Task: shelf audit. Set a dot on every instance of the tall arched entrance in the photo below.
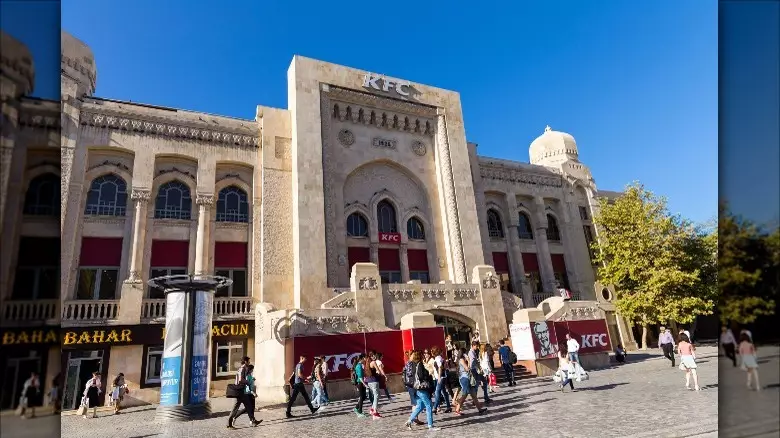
(461, 332)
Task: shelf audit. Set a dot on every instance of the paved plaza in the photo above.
(645, 397)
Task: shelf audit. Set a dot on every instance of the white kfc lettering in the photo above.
(339, 359)
(372, 81)
(590, 341)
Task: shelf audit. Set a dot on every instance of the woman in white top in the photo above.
(118, 391)
(565, 367)
(382, 376)
(92, 392)
(484, 364)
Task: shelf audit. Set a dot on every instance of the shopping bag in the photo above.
(83, 407)
(492, 380)
(558, 377)
(682, 367)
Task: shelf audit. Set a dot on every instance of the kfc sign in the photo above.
(592, 334)
(390, 238)
(336, 361)
(385, 84)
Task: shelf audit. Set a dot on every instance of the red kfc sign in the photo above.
(390, 238)
(591, 334)
(340, 350)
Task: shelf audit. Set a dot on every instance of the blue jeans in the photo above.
(574, 356)
(412, 395)
(318, 397)
(423, 401)
(439, 391)
(481, 381)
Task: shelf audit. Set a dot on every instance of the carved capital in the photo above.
(141, 195)
(134, 278)
(205, 199)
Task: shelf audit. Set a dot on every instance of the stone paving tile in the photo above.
(642, 398)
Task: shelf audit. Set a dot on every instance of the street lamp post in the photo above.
(184, 378)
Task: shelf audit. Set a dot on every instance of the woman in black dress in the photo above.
(92, 394)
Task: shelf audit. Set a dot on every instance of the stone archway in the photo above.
(460, 327)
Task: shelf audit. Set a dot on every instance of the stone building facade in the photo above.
(359, 168)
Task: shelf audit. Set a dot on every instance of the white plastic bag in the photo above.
(558, 377)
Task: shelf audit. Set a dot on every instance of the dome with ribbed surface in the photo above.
(553, 148)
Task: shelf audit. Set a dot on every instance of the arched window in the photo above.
(357, 225)
(232, 205)
(385, 213)
(495, 227)
(553, 232)
(415, 229)
(107, 196)
(43, 196)
(524, 229)
(173, 201)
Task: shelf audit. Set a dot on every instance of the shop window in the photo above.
(415, 229)
(385, 213)
(420, 275)
(553, 232)
(357, 225)
(238, 288)
(232, 205)
(173, 201)
(43, 196)
(97, 283)
(390, 277)
(155, 292)
(153, 365)
(495, 226)
(524, 229)
(228, 357)
(107, 196)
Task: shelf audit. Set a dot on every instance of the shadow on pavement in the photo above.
(600, 388)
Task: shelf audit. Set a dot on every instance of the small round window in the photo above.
(606, 294)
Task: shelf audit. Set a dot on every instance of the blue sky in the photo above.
(635, 83)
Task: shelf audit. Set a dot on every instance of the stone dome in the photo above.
(17, 64)
(553, 148)
(78, 62)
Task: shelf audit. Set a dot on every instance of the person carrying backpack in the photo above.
(508, 360)
(423, 385)
(409, 373)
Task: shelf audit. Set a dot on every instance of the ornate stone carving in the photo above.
(39, 121)
(346, 304)
(206, 199)
(342, 260)
(396, 295)
(442, 263)
(451, 205)
(175, 169)
(346, 137)
(134, 278)
(368, 283)
(434, 294)
(141, 195)
(461, 294)
(386, 143)
(419, 148)
(490, 281)
(372, 100)
(110, 163)
(518, 176)
(200, 132)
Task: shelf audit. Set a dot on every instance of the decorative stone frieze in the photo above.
(371, 100)
(39, 121)
(368, 283)
(419, 148)
(167, 128)
(116, 164)
(206, 199)
(346, 138)
(518, 176)
(490, 281)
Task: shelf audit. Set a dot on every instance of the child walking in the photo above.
(747, 352)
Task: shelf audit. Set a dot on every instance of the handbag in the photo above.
(234, 390)
(472, 380)
(83, 406)
(492, 380)
(557, 377)
(420, 384)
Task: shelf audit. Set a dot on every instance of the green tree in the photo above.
(663, 268)
(747, 269)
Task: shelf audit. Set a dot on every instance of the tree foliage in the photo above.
(663, 268)
(748, 269)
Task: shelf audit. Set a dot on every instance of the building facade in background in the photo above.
(359, 168)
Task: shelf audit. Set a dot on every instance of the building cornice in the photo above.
(517, 175)
(166, 127)
(380, 102)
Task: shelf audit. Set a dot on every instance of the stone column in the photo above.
(567, 237)
(404, 254)
(141, 199)
(542, 248)
(374, 253)
(455, 240)
(517, 270)
(204, 202)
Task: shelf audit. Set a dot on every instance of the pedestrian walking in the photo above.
(688, 361)
(297, 380)
(666, 344)
(450, 348)
(686, 333)
(247, 398)
(55, 396)
(468, 385)
(358, 368)
(566, 367)
(324, 370)
(372, 383)
(423, 385)
(408, 373)
(29, 397)
(382, 376)
(729, 344)
(240, 382)
(506, 356)
(440, 376)
(318, 398)
(487, 369)
(476, 370)
(747, 354)
(118, 391)
(91, 399)
(574, 348)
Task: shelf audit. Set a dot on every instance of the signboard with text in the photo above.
(170, 375)
(390, 238)
(152, 334)
(201, 340)
(592, 334)
(522, 341)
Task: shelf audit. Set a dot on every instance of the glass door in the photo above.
(81, 365)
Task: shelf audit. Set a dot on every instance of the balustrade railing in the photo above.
(90, 311)
(29, 311)
(233, 307)
(153, 309)
(431, 292)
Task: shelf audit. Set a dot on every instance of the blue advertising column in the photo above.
(184, 378)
